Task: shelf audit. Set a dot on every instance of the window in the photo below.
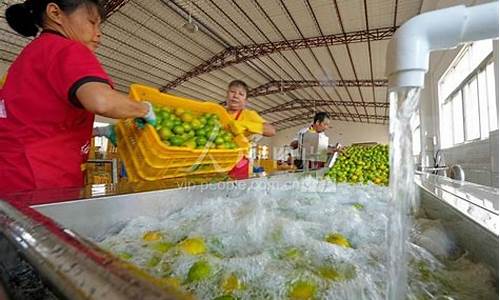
(458, 119)
(471, 106)
(483, 104)
(446, 124)
(492, 103)
(467, 97)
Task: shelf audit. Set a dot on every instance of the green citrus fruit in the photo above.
(302, 290)
(152, 236)
(161, 247)
(225, 297)
(168, 124)
(125, 255)
(178, 130)
(187, 117)
(176, 140)
(219, 141)
(190, 144)
(201, 141)
(179, 111)
(199, 270)
(153, 261)
(165, 133)
(201, 132)
(196, 124)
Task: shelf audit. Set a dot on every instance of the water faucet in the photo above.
(407, 62)
(437, 158)
(409, 49)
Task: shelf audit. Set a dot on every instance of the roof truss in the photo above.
(111, 6)
(234, 55)
(333, 116)
(281, 86)
(312, 103)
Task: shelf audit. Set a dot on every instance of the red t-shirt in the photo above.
(45, 132)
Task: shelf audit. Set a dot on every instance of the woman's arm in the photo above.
(268, 130)
(102, 100)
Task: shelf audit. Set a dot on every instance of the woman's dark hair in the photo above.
(27, 18)
(320, 117)
(238, 83)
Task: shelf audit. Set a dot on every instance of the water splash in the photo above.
(403, 103)
(272, 238)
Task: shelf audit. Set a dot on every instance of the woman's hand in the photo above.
(149, 118)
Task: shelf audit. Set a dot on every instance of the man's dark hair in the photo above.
(238, 83)
(320, 117)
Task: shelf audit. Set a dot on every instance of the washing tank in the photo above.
(467, 212)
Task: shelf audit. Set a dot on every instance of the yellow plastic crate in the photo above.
(269, 165)
(146, 157)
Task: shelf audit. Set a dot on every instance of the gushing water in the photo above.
(270, 241)
(403, 104)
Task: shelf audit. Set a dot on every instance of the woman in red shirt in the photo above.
(53, 90)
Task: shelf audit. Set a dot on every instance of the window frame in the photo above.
(461, 89)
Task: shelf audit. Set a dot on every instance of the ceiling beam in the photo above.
(349, 54)
(281, 86)
(295, 118)
(110, 6)
(235, 55)
(332, 116)
(312, 103)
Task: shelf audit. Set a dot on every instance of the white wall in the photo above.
(345, 133)
(479, 159)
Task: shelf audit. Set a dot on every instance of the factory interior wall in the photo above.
(479, 159)
(341, 132)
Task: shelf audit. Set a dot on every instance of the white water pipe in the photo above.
(409, 49)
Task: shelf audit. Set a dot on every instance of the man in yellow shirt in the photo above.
(246, 121)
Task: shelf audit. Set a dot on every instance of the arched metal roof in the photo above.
(298, 56)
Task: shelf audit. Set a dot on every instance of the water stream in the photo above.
(403, 104)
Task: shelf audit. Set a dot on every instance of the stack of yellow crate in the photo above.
(99, 173)
(269, 165)
(148, 158)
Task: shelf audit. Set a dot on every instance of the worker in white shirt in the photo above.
(320, 123)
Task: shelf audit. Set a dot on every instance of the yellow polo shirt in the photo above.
(248, 115)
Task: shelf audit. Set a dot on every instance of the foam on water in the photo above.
(271, 238)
